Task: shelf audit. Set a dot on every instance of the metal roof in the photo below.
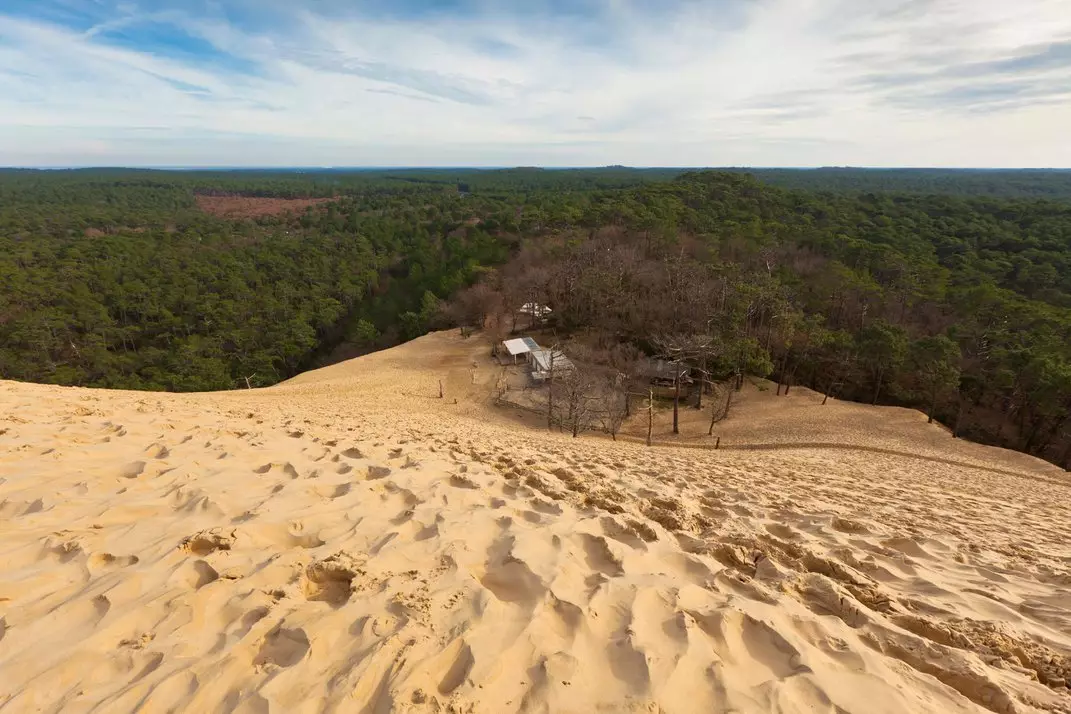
(520, 345)
(543, 361)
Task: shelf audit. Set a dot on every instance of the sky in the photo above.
(958, 83)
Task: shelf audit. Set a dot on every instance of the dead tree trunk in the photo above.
(550, 394)
(650, 414)
(676, 401)
(713, 417)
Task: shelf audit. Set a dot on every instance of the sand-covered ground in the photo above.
(349, 542)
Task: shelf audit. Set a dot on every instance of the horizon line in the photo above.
(504, 167)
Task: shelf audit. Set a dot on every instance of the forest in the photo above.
(943, 290)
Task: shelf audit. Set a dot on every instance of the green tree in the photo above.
(365, 333)
(882, 348)
(935, 362)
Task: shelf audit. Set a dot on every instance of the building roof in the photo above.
(542, 359)
(662, 369)
(521, 345)
(536, 309)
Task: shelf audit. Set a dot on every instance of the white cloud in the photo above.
(729, 82)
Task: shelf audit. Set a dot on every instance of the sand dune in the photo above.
(349, 542)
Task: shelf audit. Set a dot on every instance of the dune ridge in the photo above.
(347, 541)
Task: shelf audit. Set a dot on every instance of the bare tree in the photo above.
(719, 410)
(550, 387)
(680, 350)
(473, 306)
(650, 414)
(627, 360)
(613, 404)
(577, 400)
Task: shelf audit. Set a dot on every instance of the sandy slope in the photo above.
(348, 542)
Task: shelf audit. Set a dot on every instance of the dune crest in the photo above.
(349, 542)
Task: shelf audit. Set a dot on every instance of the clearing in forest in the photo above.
(255, 206)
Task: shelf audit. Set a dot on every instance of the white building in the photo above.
(520, 346)
(547, 362)
(535, 310)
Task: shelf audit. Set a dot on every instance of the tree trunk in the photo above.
(877, 389)
(650, 414)
(676, 403)
(550, 406)
(699, 399)
(728, 403)
(1066, 458)
(962, 413)
(933, 406)
(713, 417)
(829, 390)
(1031, 437)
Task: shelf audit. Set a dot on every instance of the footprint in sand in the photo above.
(204, 542)
(599, 556)
(333, 491)
(377, 472)
(277, 467)
(282, 647)
(64, 550)
(330, 580)
(106, 561)
(132, 470)
(453, 666)
(194, 575)
(157, 451)
(459, 481)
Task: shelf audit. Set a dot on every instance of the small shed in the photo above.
(544, 361)
(520, 346)
(535, 310)
(665, 373)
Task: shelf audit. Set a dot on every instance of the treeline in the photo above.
(957, 306)
(1051, 184)
(121, 284)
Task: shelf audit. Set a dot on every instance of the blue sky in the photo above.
(543, 82)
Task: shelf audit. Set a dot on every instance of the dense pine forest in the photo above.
(949, 291)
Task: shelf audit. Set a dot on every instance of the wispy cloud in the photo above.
(555, 82)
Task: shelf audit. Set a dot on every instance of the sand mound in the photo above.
(349, 542)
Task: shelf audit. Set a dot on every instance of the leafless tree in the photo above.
(577, 400)
(474, 305)
(719, 410)
(613, 404)
(627, 360)
(681, 350)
